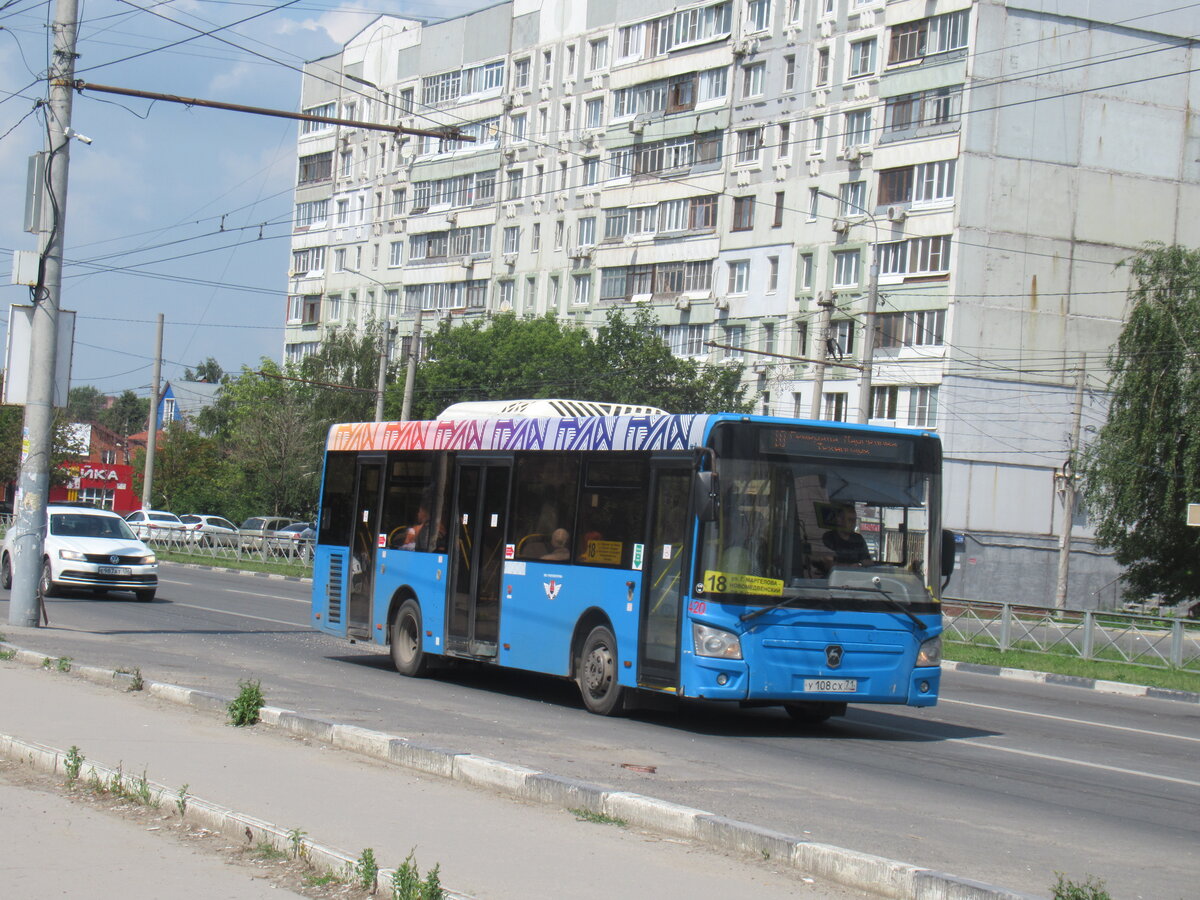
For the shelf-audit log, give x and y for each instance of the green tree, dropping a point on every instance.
(188, 473)
(209, 371)
(1144, 465)
(506, 357)
(129, 414)
(85, 404)
(342, 377)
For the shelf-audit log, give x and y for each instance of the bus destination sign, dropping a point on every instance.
(863, 446)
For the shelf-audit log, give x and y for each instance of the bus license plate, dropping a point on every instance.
(830, 685)
(114, 570)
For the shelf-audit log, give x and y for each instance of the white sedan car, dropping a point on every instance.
(90, 549)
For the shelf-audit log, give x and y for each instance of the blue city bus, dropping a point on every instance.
(752, 559)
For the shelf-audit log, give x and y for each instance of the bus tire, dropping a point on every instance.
(596, 673)
(407, 655)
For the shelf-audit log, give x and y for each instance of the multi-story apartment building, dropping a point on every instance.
(772, 178)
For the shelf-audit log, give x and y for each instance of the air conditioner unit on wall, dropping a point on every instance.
(852, 154)
(841, 226)
(897, 213)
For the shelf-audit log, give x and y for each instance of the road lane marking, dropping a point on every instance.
(226, 612)
(304, 600)
(980, 745)
(1037, 715)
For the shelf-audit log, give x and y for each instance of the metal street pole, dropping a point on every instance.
(36, 439)
(152, 425)
(868, 349)
(818, 383)
(385, 339)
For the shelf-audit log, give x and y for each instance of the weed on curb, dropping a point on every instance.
(366, 870)
(243, 709)
(136, 683)
(299, 851)
(407, 883)
(63, 664)
(597, 818)
(8, 654)
(73, 763)
(181, 801)
(1092, 889)
(265, 850)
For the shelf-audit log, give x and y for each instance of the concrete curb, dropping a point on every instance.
(197, 811)
(235, 571)
(1092, 684)
(863, 871)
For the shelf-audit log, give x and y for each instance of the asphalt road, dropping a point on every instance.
(1003, 781)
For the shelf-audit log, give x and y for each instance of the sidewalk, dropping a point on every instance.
(488, 845)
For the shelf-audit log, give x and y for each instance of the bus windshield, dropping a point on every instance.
(836, 519)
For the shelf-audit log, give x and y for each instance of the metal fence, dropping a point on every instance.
(242, 548)
(1157, 641)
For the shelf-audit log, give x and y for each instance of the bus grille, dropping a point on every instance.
(333, 589)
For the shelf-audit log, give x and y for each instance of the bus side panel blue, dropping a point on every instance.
(541, 602)
(329, 590)
(422, 574)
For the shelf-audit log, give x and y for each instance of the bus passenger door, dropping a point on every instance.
(665, 580)
(362, 547)
(480, 516)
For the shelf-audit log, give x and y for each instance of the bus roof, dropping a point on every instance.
(523, 432)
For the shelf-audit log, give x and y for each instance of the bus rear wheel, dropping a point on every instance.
(596, 673)
(407, 655)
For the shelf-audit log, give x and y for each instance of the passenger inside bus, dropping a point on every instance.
(560, 540)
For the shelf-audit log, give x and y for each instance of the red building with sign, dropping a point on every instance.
(103, 477)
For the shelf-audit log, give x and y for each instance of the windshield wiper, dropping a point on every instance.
(817, 595)
(888, 598)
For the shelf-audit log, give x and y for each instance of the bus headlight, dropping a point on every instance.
(716, 642)
(930, 653)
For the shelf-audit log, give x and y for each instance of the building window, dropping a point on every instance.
(521, 73)
(547, 65)
(512, 239)
(817, 145)
(858, 127)
(587, 231)
(739, 276)
(735, 340)
(915, 256)
(784, 149)
(883, 402)
(806, 271)
(593, 113)
(839, 341)
(862, 58)
(917, 328)
(758, 15)
(789, 73)
(515, 184)
(311, 259)
(929, 183)
(772, 274)
(311, 214)
(777, 221)
(317, 167)
(834, 407)
(597, 54)
(399, 196)
(685, 340)
(743, 213)
(536, 239)
(559, 231)
(581, 294)
(936, 108)
(530, 293)
(852, 195)
(591, 171)
(821, 77)
(754, 80)
(922, 407)
(517, 125)
(845, 268)
(749, 145)
(938, 34)
(395, 254)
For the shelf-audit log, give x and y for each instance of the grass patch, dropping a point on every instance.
(265, 850)
(8, 654)
(322, 880)
(597, 818)
(1171, 679)
(278, 566)
(1092, 889)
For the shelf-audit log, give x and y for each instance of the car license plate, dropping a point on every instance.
(830, 685)
(114, 570)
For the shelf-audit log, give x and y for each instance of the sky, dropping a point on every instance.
(173, 210)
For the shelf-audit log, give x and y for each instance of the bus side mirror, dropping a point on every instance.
(949, 541)
(706, 496)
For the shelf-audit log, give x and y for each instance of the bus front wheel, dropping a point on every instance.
(596, 673)
(407, 655)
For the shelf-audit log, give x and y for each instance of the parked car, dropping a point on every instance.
(210, 531)
(92, 549)
(156, 525)
(254, 529)
(292, 540)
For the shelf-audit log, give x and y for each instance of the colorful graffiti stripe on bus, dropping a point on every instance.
(518, 433)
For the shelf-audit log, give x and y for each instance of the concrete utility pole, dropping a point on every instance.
(1067, 492)
(37, 437)
(152, 425)
(410, 373)
(385, 340)
(825, 301)
(868, 348)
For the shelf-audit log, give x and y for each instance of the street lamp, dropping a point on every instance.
(868, 349)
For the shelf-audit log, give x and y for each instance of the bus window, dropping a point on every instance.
(408, 507)
(543, 504)
(612, 511)
(337, 499)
